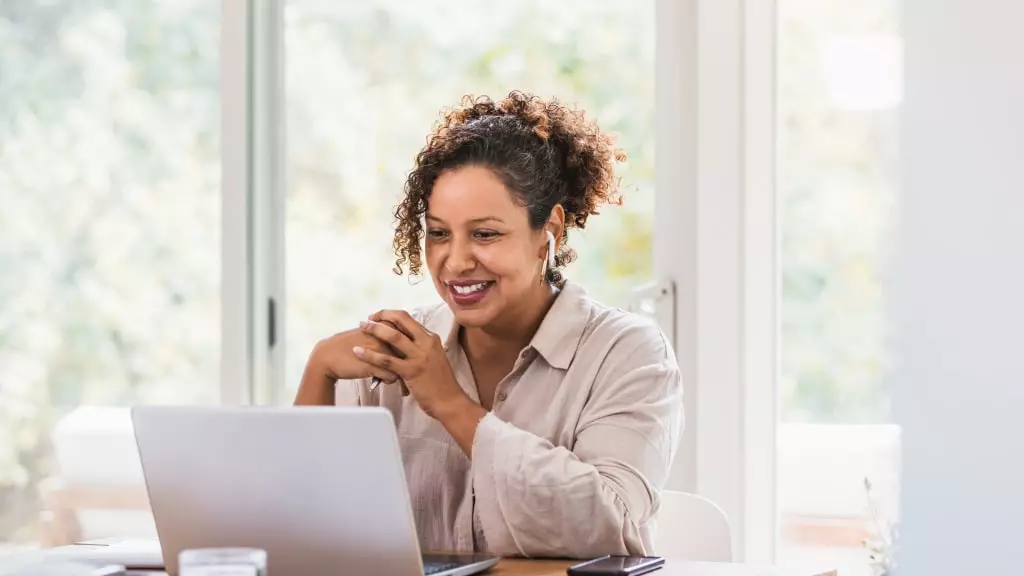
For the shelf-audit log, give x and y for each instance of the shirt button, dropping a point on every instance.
(502, 396)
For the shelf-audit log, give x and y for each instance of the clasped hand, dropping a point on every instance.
(419, 359)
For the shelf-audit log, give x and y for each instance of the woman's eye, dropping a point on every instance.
(437, 234)
(486, 234)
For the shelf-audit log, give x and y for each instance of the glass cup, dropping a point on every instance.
(222, 562)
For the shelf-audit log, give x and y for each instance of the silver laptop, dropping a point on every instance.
(321, 489)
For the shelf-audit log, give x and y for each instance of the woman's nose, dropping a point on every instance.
(460, 257)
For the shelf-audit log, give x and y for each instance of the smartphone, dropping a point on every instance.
(617, 566)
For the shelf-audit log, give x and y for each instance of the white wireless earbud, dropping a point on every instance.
(551, 249)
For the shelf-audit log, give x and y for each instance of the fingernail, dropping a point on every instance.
(363, 325)
(358, 351)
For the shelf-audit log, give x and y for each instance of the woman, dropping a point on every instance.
(533, 421)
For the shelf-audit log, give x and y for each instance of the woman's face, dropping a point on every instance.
(485, 259)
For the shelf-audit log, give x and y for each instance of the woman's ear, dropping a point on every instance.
(556, 223)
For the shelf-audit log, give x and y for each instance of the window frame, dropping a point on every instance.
(237, 346)
(253, 201)
(716, 241)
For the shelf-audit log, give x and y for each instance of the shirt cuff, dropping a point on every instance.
(490, 481)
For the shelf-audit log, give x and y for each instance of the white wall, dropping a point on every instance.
(959, 280)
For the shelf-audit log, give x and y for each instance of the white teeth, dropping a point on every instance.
(469, 289)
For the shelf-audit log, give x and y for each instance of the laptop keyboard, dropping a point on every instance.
(438, 567)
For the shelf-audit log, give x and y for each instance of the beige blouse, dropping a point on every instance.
(572, 457)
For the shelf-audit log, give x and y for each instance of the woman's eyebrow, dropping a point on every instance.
(473, 221)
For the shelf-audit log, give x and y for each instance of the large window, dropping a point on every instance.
(838, 74)
(110, 228)
(109, 236)
(110, 164)
(365, 82)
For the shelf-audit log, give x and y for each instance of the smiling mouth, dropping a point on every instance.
(464, 294)
(467, 289)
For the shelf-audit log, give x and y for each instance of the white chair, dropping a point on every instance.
(692, 527)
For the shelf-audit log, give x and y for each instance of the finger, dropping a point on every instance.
(387, 334)
(395, 326)
(386, 362)
(371, 371)
(404, 321)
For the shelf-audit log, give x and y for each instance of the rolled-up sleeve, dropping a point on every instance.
(537, 499)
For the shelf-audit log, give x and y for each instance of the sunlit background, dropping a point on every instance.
(110, 239)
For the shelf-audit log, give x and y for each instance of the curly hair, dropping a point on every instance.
(544, 152)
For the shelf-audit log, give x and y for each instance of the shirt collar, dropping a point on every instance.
(559, 334)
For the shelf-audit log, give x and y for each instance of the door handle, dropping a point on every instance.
(657, 300)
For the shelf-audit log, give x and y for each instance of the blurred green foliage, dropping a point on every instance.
(838, 177)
